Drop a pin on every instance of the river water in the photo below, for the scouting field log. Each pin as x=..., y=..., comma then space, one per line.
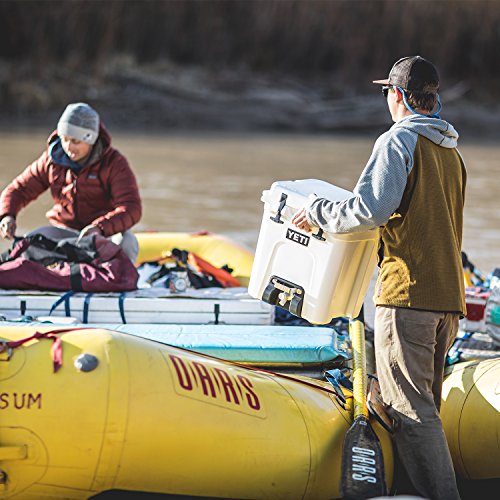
x=214, y=182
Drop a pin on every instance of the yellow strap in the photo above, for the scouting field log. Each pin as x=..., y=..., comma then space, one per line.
x=468, y=279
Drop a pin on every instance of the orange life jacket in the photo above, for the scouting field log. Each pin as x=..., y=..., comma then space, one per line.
x=202, y=266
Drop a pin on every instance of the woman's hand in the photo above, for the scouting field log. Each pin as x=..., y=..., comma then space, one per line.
x=88, y=231
x=8, y=227
x=300, y=220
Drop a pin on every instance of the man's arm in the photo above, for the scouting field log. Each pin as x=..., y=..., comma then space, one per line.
x=378, y=192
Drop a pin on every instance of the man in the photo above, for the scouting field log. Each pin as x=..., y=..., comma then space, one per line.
x=92, y=184
x=414, y=187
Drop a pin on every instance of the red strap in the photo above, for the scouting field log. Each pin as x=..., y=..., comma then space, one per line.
x=56, y=350
x=201, y=233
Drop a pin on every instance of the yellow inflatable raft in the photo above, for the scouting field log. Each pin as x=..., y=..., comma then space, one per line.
x=471, y=418
x=125, y=413
x=215, y=248
x=130, y=414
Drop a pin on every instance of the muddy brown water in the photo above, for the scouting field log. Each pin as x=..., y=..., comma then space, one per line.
x=214, y=181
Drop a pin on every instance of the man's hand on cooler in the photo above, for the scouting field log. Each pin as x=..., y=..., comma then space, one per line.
x=300, y=220
x=8, y=227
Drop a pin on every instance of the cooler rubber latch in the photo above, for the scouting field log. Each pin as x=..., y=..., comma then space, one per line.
x=277, y=217
x=319, y=235
x=284, y=293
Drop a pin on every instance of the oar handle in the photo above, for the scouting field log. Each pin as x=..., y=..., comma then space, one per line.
x=359, y=376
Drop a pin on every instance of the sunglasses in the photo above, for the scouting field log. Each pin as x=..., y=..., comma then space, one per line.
x=385, y=90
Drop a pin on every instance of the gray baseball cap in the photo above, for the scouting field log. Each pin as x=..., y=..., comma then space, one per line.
x=80, y=122
x=414, y=74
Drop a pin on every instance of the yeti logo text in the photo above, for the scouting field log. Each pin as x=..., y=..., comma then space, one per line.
x=302, y=239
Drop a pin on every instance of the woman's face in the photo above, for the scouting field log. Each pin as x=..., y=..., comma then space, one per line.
x=75, y=149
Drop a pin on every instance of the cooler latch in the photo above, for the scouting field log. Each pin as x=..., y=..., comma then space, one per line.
x=277, y=217
x=284, y=293
x=319, y=235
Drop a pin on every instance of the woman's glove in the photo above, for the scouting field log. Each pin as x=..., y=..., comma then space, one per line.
x=8, y=227
x=87, y=231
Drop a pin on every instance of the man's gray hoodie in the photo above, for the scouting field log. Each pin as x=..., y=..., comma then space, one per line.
x=380, y=188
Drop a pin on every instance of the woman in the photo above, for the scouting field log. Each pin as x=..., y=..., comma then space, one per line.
x=92, y=184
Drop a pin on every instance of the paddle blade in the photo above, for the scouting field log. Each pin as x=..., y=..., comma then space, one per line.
x=363, y=473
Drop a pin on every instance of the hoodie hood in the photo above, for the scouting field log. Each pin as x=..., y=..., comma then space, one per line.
x=439, y=131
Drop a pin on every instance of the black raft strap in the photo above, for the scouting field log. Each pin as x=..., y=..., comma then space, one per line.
x=5, y=256
x=75, y=277
x=41, y=241
x=64, y=298
x=121, y=306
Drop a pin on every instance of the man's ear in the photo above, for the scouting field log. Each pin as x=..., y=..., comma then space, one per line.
x=399, y=94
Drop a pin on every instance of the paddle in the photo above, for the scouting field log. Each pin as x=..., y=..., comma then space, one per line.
x=362, y=461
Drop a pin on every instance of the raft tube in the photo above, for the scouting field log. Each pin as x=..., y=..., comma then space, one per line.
x=471, y=418
x=215, y=248
x=125, y=413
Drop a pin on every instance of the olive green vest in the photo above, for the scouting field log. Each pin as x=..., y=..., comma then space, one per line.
x=422, y=266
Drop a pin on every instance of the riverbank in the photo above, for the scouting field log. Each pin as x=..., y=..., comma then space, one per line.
x=166, y=97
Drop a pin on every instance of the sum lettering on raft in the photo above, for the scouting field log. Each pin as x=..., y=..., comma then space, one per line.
x=215, y=383
x=20, y=401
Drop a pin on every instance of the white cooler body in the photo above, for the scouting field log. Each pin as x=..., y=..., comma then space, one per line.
x=317, y=276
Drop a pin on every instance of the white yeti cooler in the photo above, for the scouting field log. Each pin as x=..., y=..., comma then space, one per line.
x=317, y=276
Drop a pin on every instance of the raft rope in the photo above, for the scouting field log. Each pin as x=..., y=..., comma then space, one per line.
x=56, y=350
x=298, y=379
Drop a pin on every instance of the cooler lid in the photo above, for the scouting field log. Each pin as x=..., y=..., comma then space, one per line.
x=298, y=191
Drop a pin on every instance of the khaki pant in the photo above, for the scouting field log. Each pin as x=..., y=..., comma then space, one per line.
x=410, y=353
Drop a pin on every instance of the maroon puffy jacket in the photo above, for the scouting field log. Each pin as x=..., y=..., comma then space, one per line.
x=104, y=193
